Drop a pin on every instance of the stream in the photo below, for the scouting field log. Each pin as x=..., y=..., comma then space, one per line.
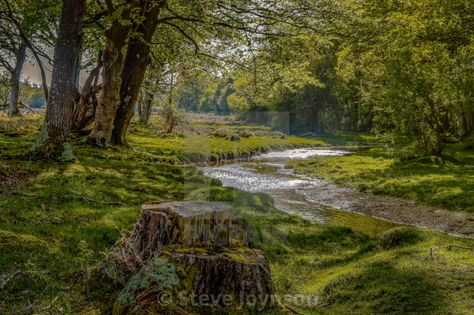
x=310, y=198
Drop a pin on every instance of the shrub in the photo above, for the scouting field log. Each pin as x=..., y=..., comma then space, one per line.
x=173, y=117
x=398, y=236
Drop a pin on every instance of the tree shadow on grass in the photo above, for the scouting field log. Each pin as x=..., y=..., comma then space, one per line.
x=382, y=288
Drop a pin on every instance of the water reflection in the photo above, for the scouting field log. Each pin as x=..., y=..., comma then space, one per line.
x=312, y=199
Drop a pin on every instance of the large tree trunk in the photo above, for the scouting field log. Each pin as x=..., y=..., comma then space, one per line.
x=136, y=63
x=111, y=80
x=53, y=140
x=14, y=93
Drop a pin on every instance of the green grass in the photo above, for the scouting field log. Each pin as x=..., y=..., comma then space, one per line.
x=58, y=220
x=199, y=142
x=447, y=182
x=350, y=139
x=351, y=273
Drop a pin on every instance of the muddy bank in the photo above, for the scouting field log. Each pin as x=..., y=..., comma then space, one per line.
x=326, y=203
x=399, y=210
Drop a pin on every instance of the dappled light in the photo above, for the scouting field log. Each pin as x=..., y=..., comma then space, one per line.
x=181, y=157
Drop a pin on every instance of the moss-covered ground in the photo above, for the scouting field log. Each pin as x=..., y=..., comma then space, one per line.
x=58, y=220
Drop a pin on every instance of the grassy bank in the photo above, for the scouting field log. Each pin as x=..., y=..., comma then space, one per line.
x=198, y=141
x=58, y=220
x=446, y=182
x=351, y=273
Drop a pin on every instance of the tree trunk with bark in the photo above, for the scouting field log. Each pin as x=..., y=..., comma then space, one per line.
x=466, y=123
x=54, y=139
x=14, y=93
x=111, y=80
x=146, y=106
x=136, y=62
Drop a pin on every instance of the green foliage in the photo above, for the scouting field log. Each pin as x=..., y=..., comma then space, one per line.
x=172, y=116
x=156, y=272
x=402, y=70
x=416, y=89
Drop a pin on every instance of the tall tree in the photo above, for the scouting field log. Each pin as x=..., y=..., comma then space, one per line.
x=136, y=62
x=54, y=139
x=116, y=38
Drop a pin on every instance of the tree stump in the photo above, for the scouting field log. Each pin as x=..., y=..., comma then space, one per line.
x=207, y=243
x=187, y=224
x=243, y=273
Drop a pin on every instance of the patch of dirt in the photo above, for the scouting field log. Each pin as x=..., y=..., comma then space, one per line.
x=411, y=213
x=392, y=209
x=11, y=177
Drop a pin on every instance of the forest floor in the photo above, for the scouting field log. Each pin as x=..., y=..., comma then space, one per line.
x=57, y=221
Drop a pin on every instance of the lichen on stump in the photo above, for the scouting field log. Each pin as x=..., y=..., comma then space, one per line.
x=206, y=241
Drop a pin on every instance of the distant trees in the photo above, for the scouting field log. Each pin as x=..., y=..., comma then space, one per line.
x=402, y=69
x=409, y=63
x=25, y=27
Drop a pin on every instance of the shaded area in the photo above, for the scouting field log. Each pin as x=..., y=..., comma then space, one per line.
x=384, y=288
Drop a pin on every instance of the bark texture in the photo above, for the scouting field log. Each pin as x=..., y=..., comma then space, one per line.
x=466, y=122
x=14, y=92
x=136, y=62
x=53, y=141
x=244, y=275
x=145, y=108
x=84, y=112
x=210, y=245
x=111, y=79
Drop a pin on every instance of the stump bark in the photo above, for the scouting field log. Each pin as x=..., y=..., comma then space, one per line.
x=207, y=242
x=245, y=274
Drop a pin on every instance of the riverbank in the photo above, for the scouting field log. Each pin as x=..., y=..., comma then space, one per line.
x=446, y=182
x=324, y=202
x=57, y=221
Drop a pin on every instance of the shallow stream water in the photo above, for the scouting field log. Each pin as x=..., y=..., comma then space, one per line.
x=310, y=198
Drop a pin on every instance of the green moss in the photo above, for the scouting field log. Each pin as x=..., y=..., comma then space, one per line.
x=187, y=250
x=10, y=240
x=383, y=287
x=67, y=155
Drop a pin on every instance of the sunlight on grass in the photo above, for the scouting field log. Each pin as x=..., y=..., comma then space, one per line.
x=62, y=218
